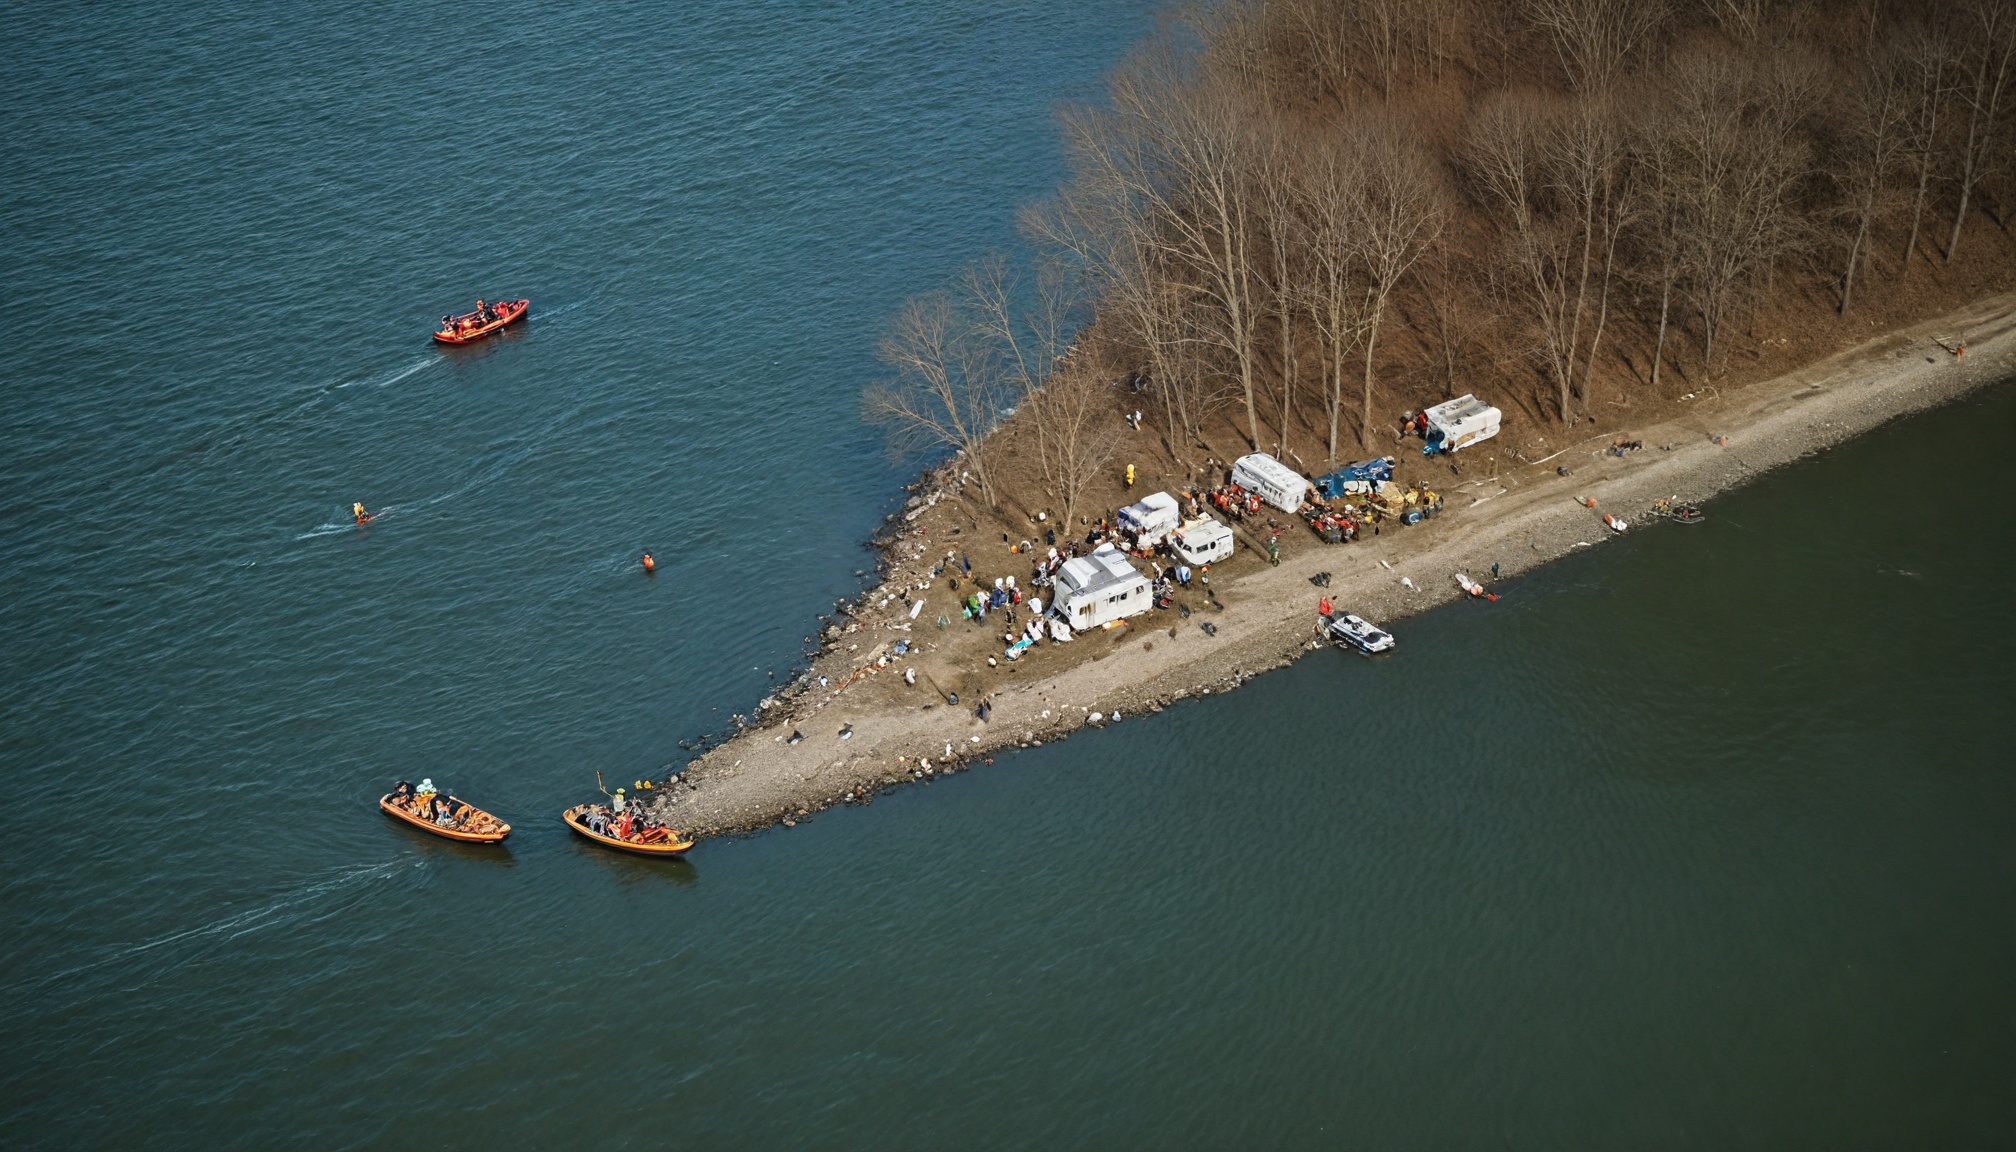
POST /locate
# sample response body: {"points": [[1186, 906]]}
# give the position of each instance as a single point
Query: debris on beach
{"points": [[1473, 587]]}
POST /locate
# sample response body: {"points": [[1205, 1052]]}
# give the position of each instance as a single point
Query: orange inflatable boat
{"points": [[472, 326], [471, 824], [672, 845]]}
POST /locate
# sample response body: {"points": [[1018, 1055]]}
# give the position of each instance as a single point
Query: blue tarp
{"points": [[1378, 470]]}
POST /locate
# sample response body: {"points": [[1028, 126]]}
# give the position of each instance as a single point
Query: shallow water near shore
{"points": [[1698, 839]]}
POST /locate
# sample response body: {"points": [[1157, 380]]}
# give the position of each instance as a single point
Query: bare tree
{"points": [[1617, 205], [1382, 29], [1322, 32], [1659, 226], [1585, 157], [1741, 160], [1075, 413], [1458, 306], [1403, 212], [1503, 151], [1181, 142], [1991, 40], [1433, 30], [1109, 219], [1555, 172], [1278, 204], [1332, 192], [1026, 329], [948, 391], [1743, 20], [1878, 114], [1187, 369], [1928, 60], [1596, 39]]}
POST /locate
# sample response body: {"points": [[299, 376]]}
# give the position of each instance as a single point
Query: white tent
{"points": [[1151, 518], [1271, 480], [1092, 590], [1461, 422]]}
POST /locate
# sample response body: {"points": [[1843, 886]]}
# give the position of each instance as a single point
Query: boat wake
{"points": [[303, 904], [557, 311], [333, 527], [420, 365]]}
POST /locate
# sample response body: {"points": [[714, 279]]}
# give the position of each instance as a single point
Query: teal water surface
{"points": [[1696, 840]]}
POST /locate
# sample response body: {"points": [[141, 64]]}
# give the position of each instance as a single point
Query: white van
{"points": [[1201, 542], [1271, 480]]}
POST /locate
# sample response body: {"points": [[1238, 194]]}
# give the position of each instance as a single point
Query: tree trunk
{"points": [[1917, 211], [1665, 310], [1371, 343], [1855, 250], [1602, 315]]}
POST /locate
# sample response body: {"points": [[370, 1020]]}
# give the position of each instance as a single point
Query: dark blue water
{"points": [[1698, 841]]}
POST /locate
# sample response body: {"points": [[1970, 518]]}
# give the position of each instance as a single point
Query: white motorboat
{"points": [[1349, 631]]}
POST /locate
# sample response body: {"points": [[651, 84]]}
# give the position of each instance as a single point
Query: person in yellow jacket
{"points": [[1130, 475]]}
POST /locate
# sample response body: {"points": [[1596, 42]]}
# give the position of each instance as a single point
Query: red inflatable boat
{"points": [[487, 318]]}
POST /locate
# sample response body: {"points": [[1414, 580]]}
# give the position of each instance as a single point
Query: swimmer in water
{"points": [[357, 510]]}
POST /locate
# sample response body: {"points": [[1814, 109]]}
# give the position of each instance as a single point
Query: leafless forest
{"points": [[1287, 221]]}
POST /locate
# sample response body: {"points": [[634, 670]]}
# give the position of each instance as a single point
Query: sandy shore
{"points": [[1518, 519]]}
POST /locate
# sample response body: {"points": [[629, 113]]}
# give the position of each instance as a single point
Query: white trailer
{"points": [[1093, 590], [1459, 423], [1201, 542], [1151, 518], [1271, 480]]}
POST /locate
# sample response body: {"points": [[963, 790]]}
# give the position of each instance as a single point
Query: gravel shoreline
{"points": [[1518, 519]]}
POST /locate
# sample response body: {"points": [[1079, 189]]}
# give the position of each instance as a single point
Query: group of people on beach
{"points": [[1003, 596]]}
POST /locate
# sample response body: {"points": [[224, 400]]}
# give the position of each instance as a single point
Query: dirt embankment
{"points": [[853, 725]]}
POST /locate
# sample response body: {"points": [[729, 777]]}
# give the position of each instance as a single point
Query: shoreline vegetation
{"points": [[1733, 233]]}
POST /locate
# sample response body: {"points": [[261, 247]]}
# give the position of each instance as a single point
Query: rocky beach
{"points": [[852, 726]]}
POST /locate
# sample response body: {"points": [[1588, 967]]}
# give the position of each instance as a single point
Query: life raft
{"points": [[474, 826], [472, 326], [673, 845]]}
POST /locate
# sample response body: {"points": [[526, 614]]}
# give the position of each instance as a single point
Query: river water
{"points": [[1699, 839]]}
